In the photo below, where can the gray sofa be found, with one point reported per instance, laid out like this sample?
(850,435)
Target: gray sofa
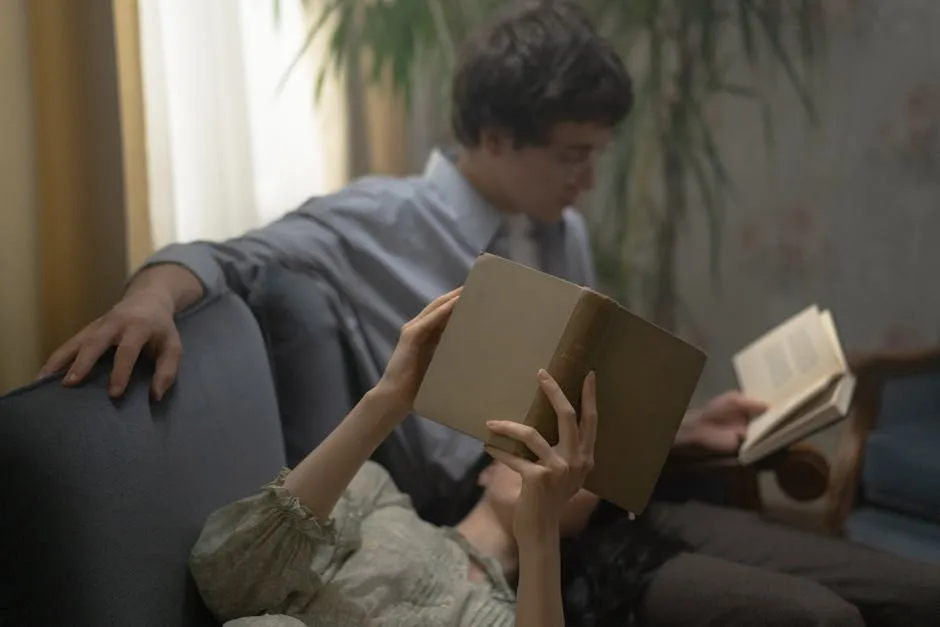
(102,500)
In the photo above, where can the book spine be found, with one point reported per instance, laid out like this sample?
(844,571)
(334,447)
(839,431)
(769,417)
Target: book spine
(573,360)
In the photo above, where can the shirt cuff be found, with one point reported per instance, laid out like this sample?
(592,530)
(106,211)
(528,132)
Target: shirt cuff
(196,258)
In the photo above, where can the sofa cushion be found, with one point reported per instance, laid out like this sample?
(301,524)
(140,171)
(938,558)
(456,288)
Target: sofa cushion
(102,500)
(910,401)
(901,470)
(895,533)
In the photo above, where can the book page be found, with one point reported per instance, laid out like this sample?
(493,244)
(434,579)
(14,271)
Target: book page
(830,325)
(780,413)
(799,355)
(830,405)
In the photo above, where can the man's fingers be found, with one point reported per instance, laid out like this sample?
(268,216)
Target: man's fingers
(128,351)
(752,406)
(168,364)
(88,355)
(567,417)
(522,466)
(62,357)
(527,435)
(734,401)
(588,427)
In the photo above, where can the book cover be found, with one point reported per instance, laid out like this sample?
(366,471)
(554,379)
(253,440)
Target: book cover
(511,321)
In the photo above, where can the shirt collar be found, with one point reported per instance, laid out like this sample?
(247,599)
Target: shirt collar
(477,219)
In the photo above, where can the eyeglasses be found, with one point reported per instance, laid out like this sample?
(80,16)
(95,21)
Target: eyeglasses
(574,159)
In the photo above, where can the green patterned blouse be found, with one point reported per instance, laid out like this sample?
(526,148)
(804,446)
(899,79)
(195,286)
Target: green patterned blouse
(266,561)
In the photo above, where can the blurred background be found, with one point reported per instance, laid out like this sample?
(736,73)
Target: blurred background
(781,153)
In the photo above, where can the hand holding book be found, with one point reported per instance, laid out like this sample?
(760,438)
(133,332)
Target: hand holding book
(799,370)
(512,321)
(549,484)
(412,355)
(721,425)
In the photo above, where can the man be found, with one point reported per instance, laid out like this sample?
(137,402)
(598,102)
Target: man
(536,97)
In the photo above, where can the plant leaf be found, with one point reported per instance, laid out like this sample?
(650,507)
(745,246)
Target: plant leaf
(769,20)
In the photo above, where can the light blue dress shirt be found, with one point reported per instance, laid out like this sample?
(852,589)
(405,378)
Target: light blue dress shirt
(383,248)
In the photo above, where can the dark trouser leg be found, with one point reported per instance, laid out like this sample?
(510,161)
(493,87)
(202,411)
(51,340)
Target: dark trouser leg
(888,591)
(701,591)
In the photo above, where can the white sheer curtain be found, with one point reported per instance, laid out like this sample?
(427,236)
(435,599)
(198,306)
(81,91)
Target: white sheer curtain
(228,151)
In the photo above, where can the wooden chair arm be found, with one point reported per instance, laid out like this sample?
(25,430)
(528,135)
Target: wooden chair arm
(887,364)
(801,471)
(872,371)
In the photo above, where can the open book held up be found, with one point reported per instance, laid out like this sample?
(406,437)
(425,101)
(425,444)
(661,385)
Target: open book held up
(799,370)
(511,321)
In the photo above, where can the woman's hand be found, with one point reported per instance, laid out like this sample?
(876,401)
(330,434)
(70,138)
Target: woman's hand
(320,479)
(412,355)
(549,484)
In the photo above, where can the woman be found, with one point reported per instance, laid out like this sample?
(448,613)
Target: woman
(333,542)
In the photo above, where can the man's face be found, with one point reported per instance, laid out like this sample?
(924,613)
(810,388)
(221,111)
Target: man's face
(542,180)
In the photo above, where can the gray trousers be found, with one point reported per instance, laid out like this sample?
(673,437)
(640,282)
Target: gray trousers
(744,571)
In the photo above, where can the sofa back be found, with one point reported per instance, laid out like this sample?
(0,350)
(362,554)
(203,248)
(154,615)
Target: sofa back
(318,380)
(901,464)
(102,500)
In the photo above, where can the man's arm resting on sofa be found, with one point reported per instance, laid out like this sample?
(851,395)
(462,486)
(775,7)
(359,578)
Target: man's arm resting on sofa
(144,317)
(172,280)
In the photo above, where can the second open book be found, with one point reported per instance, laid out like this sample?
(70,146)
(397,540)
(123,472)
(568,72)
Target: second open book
(511,321)
(799,370)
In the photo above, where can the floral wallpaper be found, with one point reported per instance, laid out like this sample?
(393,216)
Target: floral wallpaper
(846,213)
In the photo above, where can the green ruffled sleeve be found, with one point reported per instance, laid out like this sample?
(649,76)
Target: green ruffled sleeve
(269,553)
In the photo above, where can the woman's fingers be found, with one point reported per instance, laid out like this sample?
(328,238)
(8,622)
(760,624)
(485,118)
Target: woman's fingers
(528,436)
(567,417)
(434,315)
(432,323)
(522,466)
(437,303)
(588,428)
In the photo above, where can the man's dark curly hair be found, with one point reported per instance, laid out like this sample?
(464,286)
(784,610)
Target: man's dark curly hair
(539,65)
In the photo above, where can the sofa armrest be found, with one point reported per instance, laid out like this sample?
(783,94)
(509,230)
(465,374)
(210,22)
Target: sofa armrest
(872,371)
(801,471)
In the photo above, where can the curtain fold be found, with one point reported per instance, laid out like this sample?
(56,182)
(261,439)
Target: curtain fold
(231,147)
(140,123)
(79,164)
(134,132)
(19,256)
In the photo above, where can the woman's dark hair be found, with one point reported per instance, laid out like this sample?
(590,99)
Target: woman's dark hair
(537,66)
(607,567)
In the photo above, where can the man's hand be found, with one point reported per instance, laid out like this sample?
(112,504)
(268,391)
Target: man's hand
(720,426)
(143,320)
